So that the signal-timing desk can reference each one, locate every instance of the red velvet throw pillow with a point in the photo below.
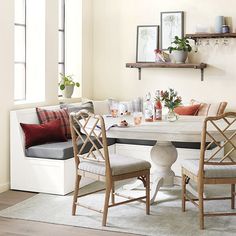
(49, 115)
(44, 133)
(187, 110)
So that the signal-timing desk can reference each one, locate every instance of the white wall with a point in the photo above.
(87, 49)
(114, 45)
(51, 71)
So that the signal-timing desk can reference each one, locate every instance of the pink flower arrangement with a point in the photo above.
(171, 99)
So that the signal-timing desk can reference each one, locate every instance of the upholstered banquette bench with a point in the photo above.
(49, 167)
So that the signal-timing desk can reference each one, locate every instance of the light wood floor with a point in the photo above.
(14, 227)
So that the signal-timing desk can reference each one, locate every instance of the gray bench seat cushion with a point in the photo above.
(58, 151)
(211, 171)
(119, 165)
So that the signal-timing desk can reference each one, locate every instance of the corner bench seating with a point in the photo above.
(64, 150)
(49, 168)
(46, 168)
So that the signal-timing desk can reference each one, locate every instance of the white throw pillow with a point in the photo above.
(100, 107)
(134, 105)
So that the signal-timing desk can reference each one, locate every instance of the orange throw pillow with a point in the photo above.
(187, 110)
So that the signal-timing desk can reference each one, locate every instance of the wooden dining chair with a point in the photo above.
(100, 165)
(213, 169)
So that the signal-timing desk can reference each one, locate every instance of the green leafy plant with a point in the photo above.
(180, 45)
(171, 99)
(67, 80)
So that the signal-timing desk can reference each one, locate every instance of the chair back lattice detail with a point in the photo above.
(220, 131)
(90, 129)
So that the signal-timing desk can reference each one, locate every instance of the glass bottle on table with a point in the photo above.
(157, 107)
(148, 108)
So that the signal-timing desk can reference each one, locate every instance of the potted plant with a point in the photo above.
(67, 85)
(179, 49)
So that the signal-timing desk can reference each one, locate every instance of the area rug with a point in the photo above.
(166, 217)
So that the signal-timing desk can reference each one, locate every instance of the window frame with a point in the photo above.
(22, 62)
(63, 38)
(62, 45)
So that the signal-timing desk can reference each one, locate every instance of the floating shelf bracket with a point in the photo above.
(202, 74)
(139, 73)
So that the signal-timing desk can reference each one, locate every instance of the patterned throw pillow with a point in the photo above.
(49, 115)
(88, 106)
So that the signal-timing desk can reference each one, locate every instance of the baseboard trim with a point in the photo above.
(4, 187)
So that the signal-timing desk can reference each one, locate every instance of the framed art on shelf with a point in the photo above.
(147, 42)
(172, 24)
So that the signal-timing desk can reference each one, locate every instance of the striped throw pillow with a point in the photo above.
(88, 106)
(45, 116)
(210, 109)
(134, 105)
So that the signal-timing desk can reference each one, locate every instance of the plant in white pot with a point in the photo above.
(67, 85)
(180, 49)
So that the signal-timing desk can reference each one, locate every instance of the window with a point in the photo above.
(61, 37)
(29, 74)
(20, 50)
(70, 41)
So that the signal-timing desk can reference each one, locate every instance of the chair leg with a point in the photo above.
(113, 193)
(148, 194)
(201, 205)
(77, 181)
(106, 204)
(183, 192)
(232, 196)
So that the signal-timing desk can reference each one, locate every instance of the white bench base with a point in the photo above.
(45, 175)
(58, 176)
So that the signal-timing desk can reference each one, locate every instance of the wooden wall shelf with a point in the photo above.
(210, 36)
(139, 66)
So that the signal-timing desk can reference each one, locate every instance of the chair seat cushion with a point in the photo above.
(119, 165)
(211, 171)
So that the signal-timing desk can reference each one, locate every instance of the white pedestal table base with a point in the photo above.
(163, 155)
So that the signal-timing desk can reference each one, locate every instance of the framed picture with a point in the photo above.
(147, 42)
(172, 24)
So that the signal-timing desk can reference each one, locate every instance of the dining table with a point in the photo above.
(163, 153)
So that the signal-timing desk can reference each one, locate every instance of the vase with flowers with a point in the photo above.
(171, 100)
